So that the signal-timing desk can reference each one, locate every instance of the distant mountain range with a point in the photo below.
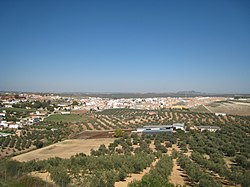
(148, 95)
(190, 92)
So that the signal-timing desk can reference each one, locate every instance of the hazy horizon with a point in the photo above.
(195, 93)
(125, 46)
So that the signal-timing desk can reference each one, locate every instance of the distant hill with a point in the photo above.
(146, 95)
(191, 93)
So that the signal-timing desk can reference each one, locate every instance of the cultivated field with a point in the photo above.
(66, 118)
(200, 158)
(130, 118)
(233, 108)
(64, 149)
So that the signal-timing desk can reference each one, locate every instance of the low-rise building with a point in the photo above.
(180, 126)
(13, 126)
(209, 128)
(220, 114)
(4, 124)
(4, 134)
(66, 112)
(2, 115)
(155, 129)
(160, 128)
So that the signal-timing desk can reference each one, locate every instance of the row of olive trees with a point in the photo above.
(158, 176)
(195, 174)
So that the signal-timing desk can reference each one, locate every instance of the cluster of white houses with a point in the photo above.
(172, 128)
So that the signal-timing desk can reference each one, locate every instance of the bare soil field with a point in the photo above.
(177, 176)
(233, 108)
(64, 149)
(134, 176)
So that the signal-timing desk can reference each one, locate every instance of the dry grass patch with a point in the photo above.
(228, 161)
(64, 149)
(45, 176)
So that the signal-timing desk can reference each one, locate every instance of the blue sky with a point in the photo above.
(125, 46)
